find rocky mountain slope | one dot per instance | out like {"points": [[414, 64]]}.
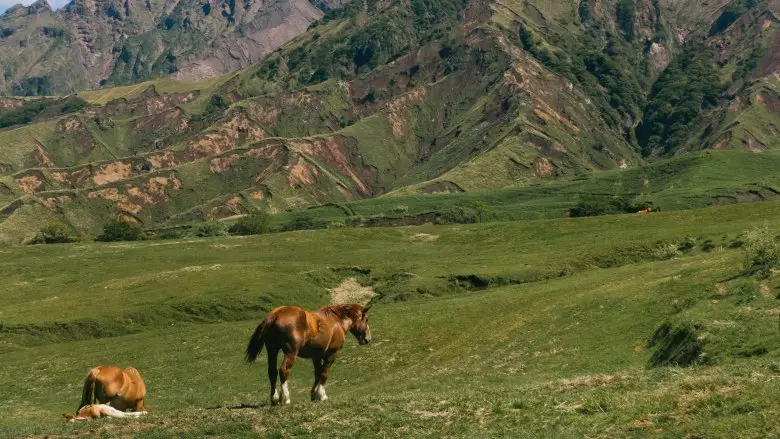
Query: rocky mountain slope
{"points": [[411, 96], [91, 43]]}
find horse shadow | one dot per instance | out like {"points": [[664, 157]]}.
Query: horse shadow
{"points": [[241, 406]]}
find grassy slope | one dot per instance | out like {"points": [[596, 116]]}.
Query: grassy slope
{"points": [[685, 182], [563, 357]]}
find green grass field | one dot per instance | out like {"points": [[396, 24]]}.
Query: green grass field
{"points": [[517, 329]]}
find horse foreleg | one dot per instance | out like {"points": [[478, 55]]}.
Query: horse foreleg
{"points": [[284, 373], [323, 378], [273, 374], [317, 372]]}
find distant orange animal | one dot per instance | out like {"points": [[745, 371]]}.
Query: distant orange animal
{"points": [[123, 389], [91, 411], [299, 333], [642, 212]]}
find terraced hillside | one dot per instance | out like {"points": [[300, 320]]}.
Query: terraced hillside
{"points": [[523, 329]]}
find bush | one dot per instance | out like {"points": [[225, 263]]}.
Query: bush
{"points": [[218, 103], [665, 252], [762, 253], [687, 243], [256, 223], [53, 234], [677, 345], [353, 221], [708, 246], [170, 234], [483, 211], [26, 114], [211, 228], [116, 230], [457, 215], [400, 210], [590, 207], [74, 105], [303, 221]]}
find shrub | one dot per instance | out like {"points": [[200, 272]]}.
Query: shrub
{"points": [[677, 345], [74, 105], [26, 114], [400, 210], [483, 211], [737, 243], [708, 246], [53, 234], [256, 223], [211, 228], [353, 221], [457, 215], [762, 253], [170, 234], [302, 221], [687, 243], [665, 252], [590, 207], [116, 230], [596, 206], [218, 103]]}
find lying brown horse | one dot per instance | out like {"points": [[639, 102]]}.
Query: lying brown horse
{"points": [[123, 389], [298, 333]]}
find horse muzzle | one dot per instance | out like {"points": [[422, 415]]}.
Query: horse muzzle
{"points": [[365, 341]]}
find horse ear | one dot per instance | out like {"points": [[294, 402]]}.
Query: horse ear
{"points": [[365, 310]]}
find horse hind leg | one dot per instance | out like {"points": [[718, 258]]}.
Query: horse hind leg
{"points": [[284, 373], [273, 373]]}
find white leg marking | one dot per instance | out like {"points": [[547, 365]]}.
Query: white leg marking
{"points": [[285, 397], [114, 413], [275, 397], [136, 414], [319, 393]]}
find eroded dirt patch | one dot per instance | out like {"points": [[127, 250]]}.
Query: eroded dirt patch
{"points": [[350, 291]]}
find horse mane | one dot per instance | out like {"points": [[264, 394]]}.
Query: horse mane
{"points": [[346, 311]]}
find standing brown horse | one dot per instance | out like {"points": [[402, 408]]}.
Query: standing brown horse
{"points": [[299, 333], [122, 388]]}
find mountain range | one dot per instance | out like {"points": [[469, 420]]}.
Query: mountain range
{"points": [[170, 112]]}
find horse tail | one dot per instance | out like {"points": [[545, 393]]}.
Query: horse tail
{"points": [[88, 393], [257, 341]]}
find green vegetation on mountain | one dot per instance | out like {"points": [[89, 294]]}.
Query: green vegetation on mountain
{"points": [[689, 86], [405, 98]]}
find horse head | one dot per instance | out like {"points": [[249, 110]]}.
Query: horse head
{"points": [[360, 328]]}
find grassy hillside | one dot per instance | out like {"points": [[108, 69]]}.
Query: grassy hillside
{"points": [[685, 182], [525, 329]]}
